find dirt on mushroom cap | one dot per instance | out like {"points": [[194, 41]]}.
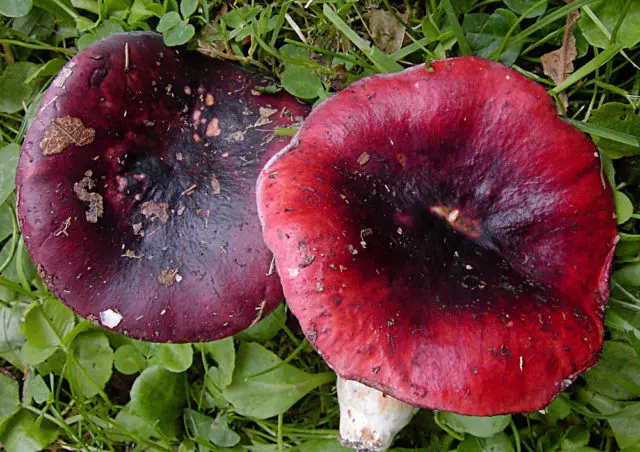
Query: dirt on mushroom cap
{"points": [[480, 284], [165, 227]]}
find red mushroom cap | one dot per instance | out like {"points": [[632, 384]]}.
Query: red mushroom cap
{"points": [[137, 190], [444, 237]]}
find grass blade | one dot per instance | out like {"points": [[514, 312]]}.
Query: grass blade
{"points": [[465, 48], [381, 61]]}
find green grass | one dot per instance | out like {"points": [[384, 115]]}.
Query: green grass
{"points": [[65, 383]]}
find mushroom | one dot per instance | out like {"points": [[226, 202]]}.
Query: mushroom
{"points": [[136, 189], [443, 237]]}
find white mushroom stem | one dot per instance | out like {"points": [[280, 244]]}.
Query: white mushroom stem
{"points": [[369, 419]]}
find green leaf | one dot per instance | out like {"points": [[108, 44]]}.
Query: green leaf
{"points": [[82, 326], [325, 445], [240, 17], [25, 432], [522, 6], [9, 156], [627, 433], [221, 434], [301, 82], [142, 10], [35, 388], [174, 30], [6, 219], [46, 324], [14, 91], [53, 364], [145, 400], [33, 355], [608, 12], [269, 394], [266, 328], [106, 28], [576, 437], [178, 35], [617, 375], [51, 67], [483, 427], [188, 7], [198, 424], [115, 8], [175, 357], [486, 32], [88, 5], [624, 206], [89, 363], [187, 446], [11, 338], [128, 360], [168, 21], [9, 397], [497, 443], [143, 428], [618, 118], [224, 353], [205, 428], [15, 8], [557, 410]]}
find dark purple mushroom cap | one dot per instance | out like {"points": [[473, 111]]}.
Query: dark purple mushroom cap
{"points": [[137, 190], [444, 237]]}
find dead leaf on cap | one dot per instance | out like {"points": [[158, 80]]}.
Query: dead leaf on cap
{"points": [[265, 114], [387, 32], [63, 132], [83, 191], [155, 210], [169, 276]]}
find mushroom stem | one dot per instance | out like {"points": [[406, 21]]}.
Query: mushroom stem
{"points": [[369, 419]]}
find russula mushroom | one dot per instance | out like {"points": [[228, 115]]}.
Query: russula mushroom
{"points": [[442, 236], [136, 189]]}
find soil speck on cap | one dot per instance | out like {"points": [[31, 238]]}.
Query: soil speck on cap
{"points": [[169, 276], [63, 132], [215, 185], [155, 210], [132, 255], [306, 261], [94, 200], [235, 137], [265, 113], [213, 128], [363, 158], [137, 229]]}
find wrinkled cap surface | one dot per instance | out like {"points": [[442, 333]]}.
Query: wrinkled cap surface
{"points": [[444, 237], [137, 190]]}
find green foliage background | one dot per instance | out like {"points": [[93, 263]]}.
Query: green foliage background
{"points": [[65, 383]]}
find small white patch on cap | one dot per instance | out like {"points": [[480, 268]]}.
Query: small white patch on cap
{"points": [[110, 318], [293, 272], [64, 74]]}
